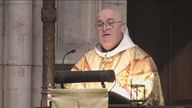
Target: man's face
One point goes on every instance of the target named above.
(109, 28)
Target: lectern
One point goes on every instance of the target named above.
(85, 98)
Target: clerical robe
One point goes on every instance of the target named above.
(133, 67)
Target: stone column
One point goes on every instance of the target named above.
(37, 67)
(1, 50)
(48, 18)
(18, 53)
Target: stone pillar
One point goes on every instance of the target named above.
(18, 53)
(48, 18)
(1, 50)
(37, 67)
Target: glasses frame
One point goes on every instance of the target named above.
(107, 24)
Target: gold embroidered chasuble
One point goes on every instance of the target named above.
(131, 66)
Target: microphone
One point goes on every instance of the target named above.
(84, 76)
(72, 51)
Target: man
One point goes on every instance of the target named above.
(116, 51)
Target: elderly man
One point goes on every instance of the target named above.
(116, 51)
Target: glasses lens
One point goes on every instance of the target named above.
(99, 25)
(110, 22)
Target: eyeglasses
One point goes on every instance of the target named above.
(109, 24)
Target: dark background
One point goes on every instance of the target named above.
(164, 29)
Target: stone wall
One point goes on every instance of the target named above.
(76, 26)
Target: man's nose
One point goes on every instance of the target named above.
(105, 28)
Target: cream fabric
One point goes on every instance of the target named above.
(79, 98)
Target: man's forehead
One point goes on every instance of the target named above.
(108, 14)
(107, 19)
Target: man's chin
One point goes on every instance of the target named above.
(107, 48)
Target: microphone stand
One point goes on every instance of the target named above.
(71, 51)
